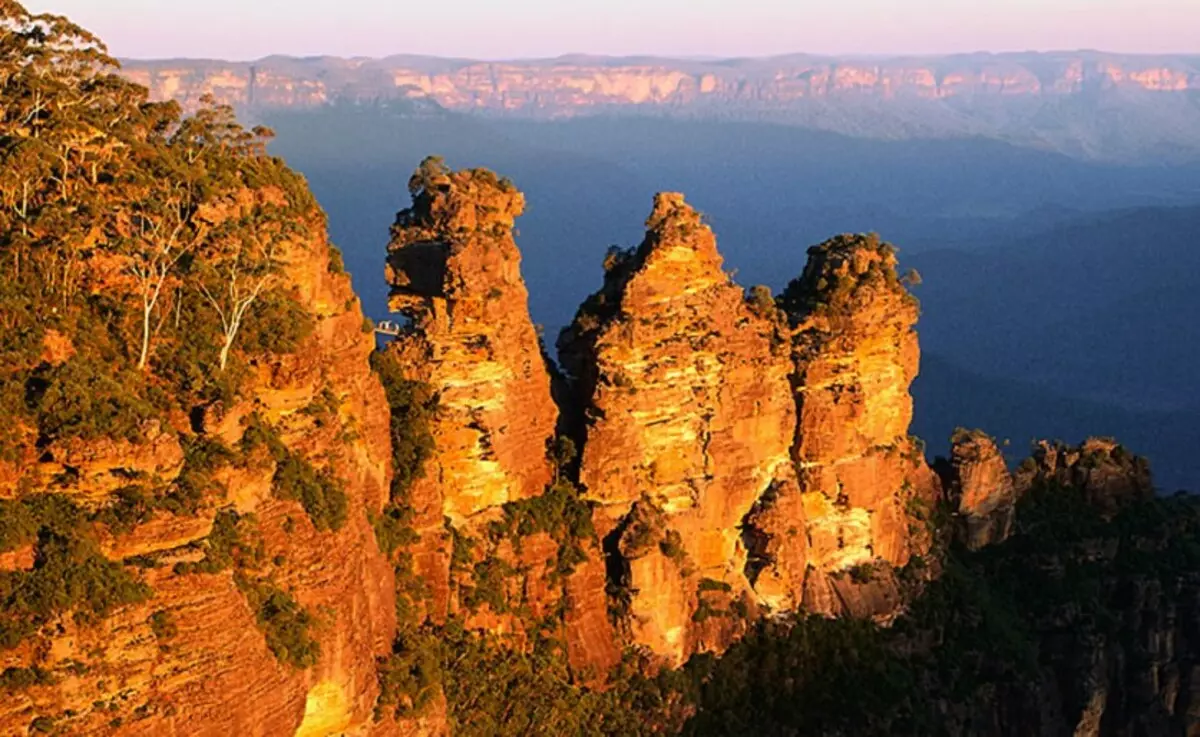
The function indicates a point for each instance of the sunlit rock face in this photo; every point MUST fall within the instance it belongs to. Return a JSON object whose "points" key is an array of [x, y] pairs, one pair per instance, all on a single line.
{"points": [[864, 482], [979, 488], [455, 274], [689, 419], [216, 675]]}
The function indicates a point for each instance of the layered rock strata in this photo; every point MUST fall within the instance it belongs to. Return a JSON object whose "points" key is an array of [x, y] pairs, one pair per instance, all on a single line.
{"points": [[865, 485], [455, 274], [689, 420], [214, 673]]}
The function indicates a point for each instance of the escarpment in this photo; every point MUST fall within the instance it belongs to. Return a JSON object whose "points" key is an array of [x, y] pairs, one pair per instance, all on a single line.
{"points": [[193, 440], [255, 598]]}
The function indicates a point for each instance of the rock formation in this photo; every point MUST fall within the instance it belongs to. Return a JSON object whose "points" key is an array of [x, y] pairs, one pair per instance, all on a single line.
{"points": [[211, 671], [689, 421], [579, 85], [979, 488], [455, 273], [1108, 475], [864, 481]]}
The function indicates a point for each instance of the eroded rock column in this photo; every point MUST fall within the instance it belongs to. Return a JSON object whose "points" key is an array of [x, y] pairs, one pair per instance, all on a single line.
{"points": [[865, 483], [689, 420]]}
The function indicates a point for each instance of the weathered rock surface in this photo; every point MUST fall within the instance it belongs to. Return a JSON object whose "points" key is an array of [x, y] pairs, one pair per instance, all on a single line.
{"points": [[1109, 476], [689, 418], [980, 489], [455, 273], [864, 482], [216, 676]]}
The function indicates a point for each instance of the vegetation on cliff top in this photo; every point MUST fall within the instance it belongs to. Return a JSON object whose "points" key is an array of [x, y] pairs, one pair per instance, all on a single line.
{"points": [[140, 251]]}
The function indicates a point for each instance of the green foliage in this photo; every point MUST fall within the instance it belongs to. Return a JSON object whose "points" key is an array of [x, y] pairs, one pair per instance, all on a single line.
{"points": [[863, 573], [488, 586], [410, 678], [69, 575], [146, 244], [85, 399], [494, 688], [319, 492], [709, 584], [21, 520], [162, 624], [233, 542], [560, 512], [672, 546], [285, 623], [15, 679], [393, 528], [412, 406]]}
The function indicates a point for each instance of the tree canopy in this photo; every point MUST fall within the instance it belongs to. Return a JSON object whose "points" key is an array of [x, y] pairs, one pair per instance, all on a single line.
{"points": [[133, 240]]}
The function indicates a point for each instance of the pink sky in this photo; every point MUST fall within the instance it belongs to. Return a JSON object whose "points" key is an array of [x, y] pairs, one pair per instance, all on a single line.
{"points": [[244, 29]]}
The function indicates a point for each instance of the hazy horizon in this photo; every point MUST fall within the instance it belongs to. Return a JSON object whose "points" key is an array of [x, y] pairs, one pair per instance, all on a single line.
{"points": [[538, 29]]}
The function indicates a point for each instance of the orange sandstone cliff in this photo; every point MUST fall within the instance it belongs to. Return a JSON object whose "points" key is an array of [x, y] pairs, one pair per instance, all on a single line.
{"points": [[455, 274], [192, 659]]}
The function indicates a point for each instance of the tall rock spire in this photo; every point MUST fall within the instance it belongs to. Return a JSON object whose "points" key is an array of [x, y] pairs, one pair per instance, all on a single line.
{"points": [[455, 273], [865, 481], [689, 422]]}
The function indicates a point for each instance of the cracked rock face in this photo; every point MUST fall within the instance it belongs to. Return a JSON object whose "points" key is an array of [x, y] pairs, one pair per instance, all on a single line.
{"points": [[688, 411], [455, 273], [864, 482], [980, 488]]}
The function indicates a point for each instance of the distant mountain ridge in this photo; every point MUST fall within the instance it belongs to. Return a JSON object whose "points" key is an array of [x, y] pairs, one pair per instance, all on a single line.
{"points": [[1086, 104]]}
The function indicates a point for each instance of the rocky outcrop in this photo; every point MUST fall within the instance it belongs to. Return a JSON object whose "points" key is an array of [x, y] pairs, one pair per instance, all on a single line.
{"points": [[490, 549], [688, 421], [213, 672], [864, 482], [455, 275], [1105, 472], [979, 488]]}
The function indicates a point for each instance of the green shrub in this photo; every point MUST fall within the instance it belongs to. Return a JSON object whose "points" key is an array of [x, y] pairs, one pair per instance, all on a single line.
{"points": [[412, 408], [233, 542], [162, 624], [710, 584], [672, 546], [410, 678], [283, 621], [19, 678], [69, 575], [84, 398], [319, 492]]}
